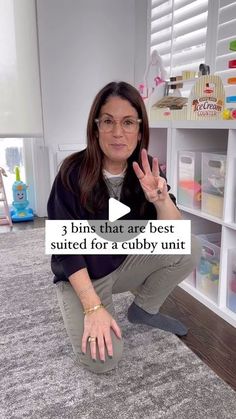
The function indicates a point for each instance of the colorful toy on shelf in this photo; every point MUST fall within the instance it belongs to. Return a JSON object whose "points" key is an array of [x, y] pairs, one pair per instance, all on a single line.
{"points": [[230, 101], [191, 188], [233, 113], [232, 45], [229, 113], [231, 80], [209, 268], [207, 271], [21, 212], [205, 102], [208, 276], [142, 90], [215, 270], [231, 292], [204, 266], [189, 179], [226, 114], [232, 64]]}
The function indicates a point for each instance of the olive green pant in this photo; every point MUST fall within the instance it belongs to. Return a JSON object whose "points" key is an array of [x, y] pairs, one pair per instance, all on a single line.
{"points": [[151, 278]]}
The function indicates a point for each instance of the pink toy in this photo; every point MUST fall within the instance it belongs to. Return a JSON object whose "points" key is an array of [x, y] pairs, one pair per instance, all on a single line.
{"points": [[191, 185], [233, 114], [142, 90]]}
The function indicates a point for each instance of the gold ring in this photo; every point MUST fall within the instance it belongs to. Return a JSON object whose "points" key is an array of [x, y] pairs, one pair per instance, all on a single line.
{"points": [[92, 339]]}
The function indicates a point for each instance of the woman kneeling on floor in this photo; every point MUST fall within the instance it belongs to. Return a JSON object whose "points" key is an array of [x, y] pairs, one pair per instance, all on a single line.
{"points": [[114, 164]]}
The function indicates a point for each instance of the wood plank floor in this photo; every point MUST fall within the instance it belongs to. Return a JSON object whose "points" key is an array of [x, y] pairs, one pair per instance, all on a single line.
{"points": [[209, 336]]}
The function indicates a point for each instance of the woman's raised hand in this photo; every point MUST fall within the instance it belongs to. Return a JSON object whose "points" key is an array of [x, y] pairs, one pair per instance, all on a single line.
{"points": [[98, 325], [154, 186]]}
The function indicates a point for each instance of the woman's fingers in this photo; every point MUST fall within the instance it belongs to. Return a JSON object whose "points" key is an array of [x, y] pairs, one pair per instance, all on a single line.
{"points": [[146, 166], [108, 342], [145, 162], [97, 335], [93, 349], [84, 342], [155, 167], [139, 173], [101, 348], [116, 328], [94, 342]]}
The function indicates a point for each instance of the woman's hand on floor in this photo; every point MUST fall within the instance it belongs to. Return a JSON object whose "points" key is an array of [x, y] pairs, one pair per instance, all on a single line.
{"points": [[98, 325]]}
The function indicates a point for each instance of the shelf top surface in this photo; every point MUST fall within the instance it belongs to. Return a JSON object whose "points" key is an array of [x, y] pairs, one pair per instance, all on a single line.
{"points": [[206, 216], [215, 124]]}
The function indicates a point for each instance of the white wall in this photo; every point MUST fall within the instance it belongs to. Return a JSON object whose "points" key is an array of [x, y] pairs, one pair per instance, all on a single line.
{"points": [[84, 44], [20, 99], [141, 30]]}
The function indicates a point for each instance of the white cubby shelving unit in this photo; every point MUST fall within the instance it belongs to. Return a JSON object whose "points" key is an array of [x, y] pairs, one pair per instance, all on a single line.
{"points": [[167, 138]]}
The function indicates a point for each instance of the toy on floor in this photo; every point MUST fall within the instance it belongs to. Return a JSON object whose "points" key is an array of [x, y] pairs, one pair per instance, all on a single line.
{"points": [[20, 201]]}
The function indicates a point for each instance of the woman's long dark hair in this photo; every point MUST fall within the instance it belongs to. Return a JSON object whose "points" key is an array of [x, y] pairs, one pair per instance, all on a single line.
{"points": [[90, 187]]}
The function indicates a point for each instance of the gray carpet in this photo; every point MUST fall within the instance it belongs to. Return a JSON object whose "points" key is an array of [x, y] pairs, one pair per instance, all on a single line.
{"points": [[158, 377]]}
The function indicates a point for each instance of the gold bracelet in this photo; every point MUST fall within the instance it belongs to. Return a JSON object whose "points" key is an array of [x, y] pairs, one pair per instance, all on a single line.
{"points": [[92, 309]]}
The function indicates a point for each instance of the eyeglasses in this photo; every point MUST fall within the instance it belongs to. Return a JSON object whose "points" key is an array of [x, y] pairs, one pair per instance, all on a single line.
{"points": [[107, 124]]}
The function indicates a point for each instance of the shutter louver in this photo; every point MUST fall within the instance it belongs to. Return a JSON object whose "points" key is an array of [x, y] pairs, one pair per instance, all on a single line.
{"points": [[178, 33]]}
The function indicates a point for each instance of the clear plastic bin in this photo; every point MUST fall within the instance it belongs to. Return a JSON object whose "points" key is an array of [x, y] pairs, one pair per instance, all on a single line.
{"points": [[207, 272], [191, 279], [231, 280], [189, 179], [213, 183]]}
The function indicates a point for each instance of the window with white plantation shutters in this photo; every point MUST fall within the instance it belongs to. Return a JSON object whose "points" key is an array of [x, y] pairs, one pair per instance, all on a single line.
{"points": [[178, 33], [226, 33]]}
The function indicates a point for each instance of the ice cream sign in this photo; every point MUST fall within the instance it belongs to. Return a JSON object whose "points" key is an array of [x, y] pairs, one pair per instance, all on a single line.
{"points": [[207, 106], [207, 98]]}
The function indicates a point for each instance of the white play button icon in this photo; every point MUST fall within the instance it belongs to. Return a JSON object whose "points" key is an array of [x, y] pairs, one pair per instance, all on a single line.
{"points": [[116, 209]]}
